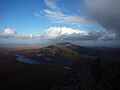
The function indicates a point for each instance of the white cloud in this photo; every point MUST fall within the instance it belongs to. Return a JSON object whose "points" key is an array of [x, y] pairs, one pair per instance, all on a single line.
{"points": [[8, 32], [51, 4], [60, 32], [59, 17], [63, 33], [36, 14], [25, 36], [55, 15]]}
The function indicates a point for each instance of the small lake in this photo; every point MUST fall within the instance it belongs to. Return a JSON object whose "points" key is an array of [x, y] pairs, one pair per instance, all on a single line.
{"points": [[26, 60]]}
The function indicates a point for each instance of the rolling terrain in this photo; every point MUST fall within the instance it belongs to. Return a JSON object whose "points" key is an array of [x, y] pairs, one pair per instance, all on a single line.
{"points": [[91, 68]]}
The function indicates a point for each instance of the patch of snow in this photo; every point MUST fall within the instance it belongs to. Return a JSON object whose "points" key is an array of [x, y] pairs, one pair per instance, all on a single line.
{"points": [[38, 55]]}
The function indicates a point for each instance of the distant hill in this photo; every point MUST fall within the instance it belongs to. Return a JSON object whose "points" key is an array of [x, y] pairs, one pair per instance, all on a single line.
{"points": [[81, 49]]}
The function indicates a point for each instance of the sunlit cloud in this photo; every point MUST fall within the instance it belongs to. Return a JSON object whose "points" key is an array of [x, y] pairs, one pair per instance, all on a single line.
{"points": [[60, 32], [8, 32]]}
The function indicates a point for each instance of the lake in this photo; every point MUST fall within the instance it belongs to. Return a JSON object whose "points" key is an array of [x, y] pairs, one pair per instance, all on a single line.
{"points": [[26, 60]]}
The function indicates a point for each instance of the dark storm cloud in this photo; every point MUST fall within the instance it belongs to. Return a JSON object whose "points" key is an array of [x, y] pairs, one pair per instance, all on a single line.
{"points": [[92, 35], [105, 12]]}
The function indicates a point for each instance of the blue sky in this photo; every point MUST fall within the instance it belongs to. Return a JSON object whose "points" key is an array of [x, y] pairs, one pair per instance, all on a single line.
{"points": [[37, 19], [19, 14]]}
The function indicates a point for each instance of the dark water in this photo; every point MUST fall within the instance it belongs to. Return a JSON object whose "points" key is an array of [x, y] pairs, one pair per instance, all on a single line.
{"points": [[23, 59]]}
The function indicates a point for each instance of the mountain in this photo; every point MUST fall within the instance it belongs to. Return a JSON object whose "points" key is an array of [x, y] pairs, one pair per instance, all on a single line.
{"points": [[65, 51], [81, 49], [68, 51], [57, 52]]}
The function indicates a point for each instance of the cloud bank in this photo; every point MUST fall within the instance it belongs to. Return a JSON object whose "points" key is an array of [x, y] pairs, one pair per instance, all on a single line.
{"points": [[63, 33]]}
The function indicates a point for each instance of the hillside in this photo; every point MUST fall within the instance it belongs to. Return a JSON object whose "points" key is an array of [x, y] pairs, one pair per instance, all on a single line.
{"points": [[63, 51]]}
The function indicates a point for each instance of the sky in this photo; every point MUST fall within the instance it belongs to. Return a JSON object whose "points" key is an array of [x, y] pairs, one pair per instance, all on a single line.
{"points": [[82, 22]]}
